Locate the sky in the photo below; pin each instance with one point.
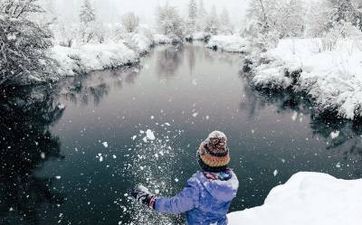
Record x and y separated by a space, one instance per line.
111 10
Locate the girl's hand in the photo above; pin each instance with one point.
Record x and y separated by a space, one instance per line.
143 196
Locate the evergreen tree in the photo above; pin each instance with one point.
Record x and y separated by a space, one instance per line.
345 11
225 24
192 17
23 44
202 16
192 10
212 22
87 13
87 18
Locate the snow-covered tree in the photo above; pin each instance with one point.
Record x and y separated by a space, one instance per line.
87 18
225 25
317 19
192 16
201 17
87 13
345 11
212 22
23 43
169 21
130 22
290 21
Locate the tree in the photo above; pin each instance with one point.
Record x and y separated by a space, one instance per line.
169 21
87 18
201 18
130 22
345 11
212 22
23 44
290 21
225 25
192 16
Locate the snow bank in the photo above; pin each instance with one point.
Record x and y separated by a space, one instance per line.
92 57
200 36
307 198
228 43
139 42
332 78
161 39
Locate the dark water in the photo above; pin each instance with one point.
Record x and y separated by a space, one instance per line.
74 165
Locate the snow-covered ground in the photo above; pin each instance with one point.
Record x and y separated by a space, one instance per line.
307 198
110 54
333 78
228 43
90 57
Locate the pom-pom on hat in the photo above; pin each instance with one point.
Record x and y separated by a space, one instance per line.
213 153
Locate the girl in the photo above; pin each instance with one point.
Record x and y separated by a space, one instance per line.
207 196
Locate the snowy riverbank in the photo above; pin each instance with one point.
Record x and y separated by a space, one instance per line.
228 43
110 54
307 198
332 78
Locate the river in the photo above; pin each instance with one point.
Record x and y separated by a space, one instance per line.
71 151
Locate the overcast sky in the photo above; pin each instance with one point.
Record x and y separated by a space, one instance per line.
111 10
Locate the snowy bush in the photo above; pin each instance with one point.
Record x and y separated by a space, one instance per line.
23 44
130 22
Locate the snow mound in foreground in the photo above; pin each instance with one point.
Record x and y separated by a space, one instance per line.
307 198
228 43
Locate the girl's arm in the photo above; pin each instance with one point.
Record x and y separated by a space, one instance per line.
184 201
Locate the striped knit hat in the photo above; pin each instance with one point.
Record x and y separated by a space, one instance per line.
213 153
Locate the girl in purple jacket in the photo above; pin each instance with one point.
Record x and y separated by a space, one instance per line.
207 196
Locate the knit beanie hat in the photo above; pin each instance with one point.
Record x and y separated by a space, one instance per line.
213 153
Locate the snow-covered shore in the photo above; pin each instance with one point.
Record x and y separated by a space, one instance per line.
307 198
91 57
228 43
332 78
110 54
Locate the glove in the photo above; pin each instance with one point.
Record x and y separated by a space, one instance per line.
143 196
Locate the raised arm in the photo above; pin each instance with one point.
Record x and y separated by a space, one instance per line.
184 201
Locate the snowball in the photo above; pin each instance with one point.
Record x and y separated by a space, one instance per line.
334 134
150 135
105 144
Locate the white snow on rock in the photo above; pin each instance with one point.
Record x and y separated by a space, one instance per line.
228 43
333 78
307 198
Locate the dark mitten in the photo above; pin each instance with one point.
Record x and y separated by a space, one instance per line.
143 196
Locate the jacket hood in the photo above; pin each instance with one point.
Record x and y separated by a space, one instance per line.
222 190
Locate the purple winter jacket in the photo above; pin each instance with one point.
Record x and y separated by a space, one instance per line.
205 201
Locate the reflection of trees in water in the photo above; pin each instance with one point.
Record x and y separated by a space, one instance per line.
26 143
349 140
169 60
94 87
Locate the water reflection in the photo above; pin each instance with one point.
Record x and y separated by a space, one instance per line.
26 143
87 88
169 60
340 135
